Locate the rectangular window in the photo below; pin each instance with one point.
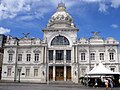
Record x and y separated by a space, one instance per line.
19 57
35 72
82 56
27 72
9 72
101 56
92 56
50 54
68 54
59 54
18 71
28 57
10 57
111 55
36 57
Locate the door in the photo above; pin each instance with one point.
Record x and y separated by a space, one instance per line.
51 73
59 73
68 73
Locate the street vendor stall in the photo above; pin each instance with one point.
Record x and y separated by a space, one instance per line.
100 73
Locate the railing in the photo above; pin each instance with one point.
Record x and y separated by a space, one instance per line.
68 61
60 61
50 61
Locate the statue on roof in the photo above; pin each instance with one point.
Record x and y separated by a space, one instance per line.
96 36
26 35
95 33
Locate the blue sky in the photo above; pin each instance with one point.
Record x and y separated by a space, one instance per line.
18 16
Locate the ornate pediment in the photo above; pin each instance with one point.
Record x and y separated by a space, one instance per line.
111 50
11 51
82 50
28 51
36 51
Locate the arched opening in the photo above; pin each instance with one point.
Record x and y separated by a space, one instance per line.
60 40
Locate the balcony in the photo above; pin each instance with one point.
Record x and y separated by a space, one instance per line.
68 61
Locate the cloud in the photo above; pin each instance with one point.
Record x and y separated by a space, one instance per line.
38 8
10 8
4 30
115 3
115 26
103 7
24 18
92 0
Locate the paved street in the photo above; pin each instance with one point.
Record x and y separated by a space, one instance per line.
26 86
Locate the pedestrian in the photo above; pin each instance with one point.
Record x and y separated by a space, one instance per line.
106 84
96 83
111 83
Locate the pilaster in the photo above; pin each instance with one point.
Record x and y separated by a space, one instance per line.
65 73
53 72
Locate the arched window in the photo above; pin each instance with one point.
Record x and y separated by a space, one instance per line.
60 40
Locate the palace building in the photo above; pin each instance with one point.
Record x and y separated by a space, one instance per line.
60 56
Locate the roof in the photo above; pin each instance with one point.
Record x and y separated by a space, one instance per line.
101 70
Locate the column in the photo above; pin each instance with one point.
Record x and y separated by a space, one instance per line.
65 73
64 56
47 73
72 55
15 73
43 50
45 55
97 57
53 72
76 55
54 56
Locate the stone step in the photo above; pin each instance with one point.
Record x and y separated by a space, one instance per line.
63 83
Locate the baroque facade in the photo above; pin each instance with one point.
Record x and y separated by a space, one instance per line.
60 56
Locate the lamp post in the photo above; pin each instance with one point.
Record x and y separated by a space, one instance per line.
19 72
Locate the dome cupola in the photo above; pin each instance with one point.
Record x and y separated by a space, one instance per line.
61 18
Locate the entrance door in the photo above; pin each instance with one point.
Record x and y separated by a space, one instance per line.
68 73
59 73
51 73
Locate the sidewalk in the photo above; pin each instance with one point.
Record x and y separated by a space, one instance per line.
51 83
10 81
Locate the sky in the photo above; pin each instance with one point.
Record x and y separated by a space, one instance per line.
31 16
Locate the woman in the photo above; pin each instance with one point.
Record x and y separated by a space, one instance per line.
106 84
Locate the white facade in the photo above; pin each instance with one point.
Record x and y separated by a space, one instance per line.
60 56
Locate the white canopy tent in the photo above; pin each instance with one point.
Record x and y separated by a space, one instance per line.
101 70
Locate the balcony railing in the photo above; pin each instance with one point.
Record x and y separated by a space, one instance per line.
68 61
59 61
50 61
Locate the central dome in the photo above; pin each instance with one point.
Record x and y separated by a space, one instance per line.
61 18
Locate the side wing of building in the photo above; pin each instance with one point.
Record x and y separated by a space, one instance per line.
24 57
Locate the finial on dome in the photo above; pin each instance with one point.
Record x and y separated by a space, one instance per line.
61 6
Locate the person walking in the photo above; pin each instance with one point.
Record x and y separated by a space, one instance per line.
111 83
106 84
96 83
